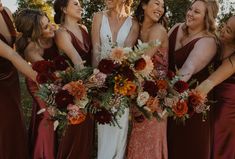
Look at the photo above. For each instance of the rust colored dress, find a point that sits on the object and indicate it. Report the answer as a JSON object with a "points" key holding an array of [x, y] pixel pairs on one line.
{"points": [[13, 137], [194, 139], [224, 138], [148, 138], [77, 143], [42, 137]]}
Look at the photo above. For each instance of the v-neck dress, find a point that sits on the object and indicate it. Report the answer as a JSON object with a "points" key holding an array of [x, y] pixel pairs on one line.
{"points": [[192, 140], [13, 137], [112, 139]]}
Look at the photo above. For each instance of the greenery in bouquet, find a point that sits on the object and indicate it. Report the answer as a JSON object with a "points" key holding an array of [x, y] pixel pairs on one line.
{"points": [[126, 70]]}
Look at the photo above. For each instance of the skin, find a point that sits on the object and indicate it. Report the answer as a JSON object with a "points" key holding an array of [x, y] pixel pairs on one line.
{"points": [[63, 40], [34, 51], [227, 68], [197, 59]]}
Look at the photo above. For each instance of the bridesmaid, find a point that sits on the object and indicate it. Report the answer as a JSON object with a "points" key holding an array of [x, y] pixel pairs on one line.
{"points": [[36, 43], [192, 46], [151, 132], [13, 137], [73, 39], [223, 78], [116, 25]]}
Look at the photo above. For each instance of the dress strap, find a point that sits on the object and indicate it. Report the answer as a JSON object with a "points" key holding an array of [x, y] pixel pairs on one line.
{"points": [[10, 25]]}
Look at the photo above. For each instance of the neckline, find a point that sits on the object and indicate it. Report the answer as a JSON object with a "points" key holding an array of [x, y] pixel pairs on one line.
{"points": [[109, 28], [82, 44], [187, 44]]}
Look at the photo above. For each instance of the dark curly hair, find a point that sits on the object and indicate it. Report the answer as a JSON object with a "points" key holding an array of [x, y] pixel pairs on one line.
{"points": [[139, 13], [58, 8]]}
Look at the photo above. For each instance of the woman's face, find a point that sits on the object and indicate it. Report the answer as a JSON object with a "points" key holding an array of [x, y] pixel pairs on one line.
{"points": [[196, 14], [112, 4], [154, 10], [48, 29], [227, 33], [73, 9]]}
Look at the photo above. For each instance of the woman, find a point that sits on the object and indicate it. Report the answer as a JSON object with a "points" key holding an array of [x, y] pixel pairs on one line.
{"points": [[13, 131], [36, 43], [192, 46], [224, 137], [73, 39], [150, 14], [113, 26]]}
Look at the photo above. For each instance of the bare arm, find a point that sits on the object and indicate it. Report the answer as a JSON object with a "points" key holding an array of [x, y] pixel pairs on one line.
{"points": [[203, 52], [225, 70], [8, 53], [95, 37], [63, 41]]}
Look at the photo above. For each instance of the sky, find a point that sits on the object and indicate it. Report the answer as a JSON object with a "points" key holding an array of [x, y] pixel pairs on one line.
{"points": [[12, 5]]}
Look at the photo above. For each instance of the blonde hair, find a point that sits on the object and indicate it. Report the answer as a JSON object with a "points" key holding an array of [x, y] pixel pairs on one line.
{"points": [[212, 8], [127, 5]]}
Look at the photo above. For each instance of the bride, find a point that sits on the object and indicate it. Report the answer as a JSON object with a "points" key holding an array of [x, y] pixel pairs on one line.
{"points": [[116, 25]]}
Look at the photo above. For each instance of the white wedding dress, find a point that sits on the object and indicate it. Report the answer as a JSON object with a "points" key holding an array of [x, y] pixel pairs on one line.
{"points": [[111, 139]]}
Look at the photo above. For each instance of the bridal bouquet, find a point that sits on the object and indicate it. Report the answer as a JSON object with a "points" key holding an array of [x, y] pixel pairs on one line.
{"points": [[124, 70]]}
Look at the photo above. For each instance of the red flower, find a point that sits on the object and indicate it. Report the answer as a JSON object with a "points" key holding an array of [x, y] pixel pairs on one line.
{"points": [[140, 64], [60, 63], [45, 77], [43, 66], [103, 116], [195, 99], [181, 86], [127, 72], [151, 88], [180, 109], [63, 99], [170, 74], [106, 66]]}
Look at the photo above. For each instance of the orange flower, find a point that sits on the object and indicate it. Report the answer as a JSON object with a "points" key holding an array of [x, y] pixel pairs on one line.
{"points": [[140, 64], [118, 55], [77, 120], [195, 98], [76, 89], [181, 108], [153, 104], [123, 86], [162, 84]]}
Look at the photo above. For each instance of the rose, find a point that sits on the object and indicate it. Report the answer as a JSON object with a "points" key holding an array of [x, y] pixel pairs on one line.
{"points": [[60, 63], [63, 99], [151, 88], [103, 116], [195, 98], [162, 84], [181, 86], [181, 108], [106, 66], [45, 77], [43, 66], [170, 74]]}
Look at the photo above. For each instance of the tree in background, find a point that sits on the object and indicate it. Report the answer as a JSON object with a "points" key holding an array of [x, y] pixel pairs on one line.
{"points": [[227, 9], [44, 5]]}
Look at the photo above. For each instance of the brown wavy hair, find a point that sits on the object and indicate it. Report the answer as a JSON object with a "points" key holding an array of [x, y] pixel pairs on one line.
{"points": [[28, 24]]}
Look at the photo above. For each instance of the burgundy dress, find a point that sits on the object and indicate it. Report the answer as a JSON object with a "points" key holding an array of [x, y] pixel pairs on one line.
{"points": [[224, 138], [13, 137], [77, 143], [42, 137], [194, 139]]}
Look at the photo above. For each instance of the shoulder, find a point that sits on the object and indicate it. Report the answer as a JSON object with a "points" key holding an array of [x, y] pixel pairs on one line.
{"points": [[61, 32], [83, 27], [135, 24], [158, 30], [98, 15], [32, 48], [8, 12], [175, 26], [206, 41]]}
